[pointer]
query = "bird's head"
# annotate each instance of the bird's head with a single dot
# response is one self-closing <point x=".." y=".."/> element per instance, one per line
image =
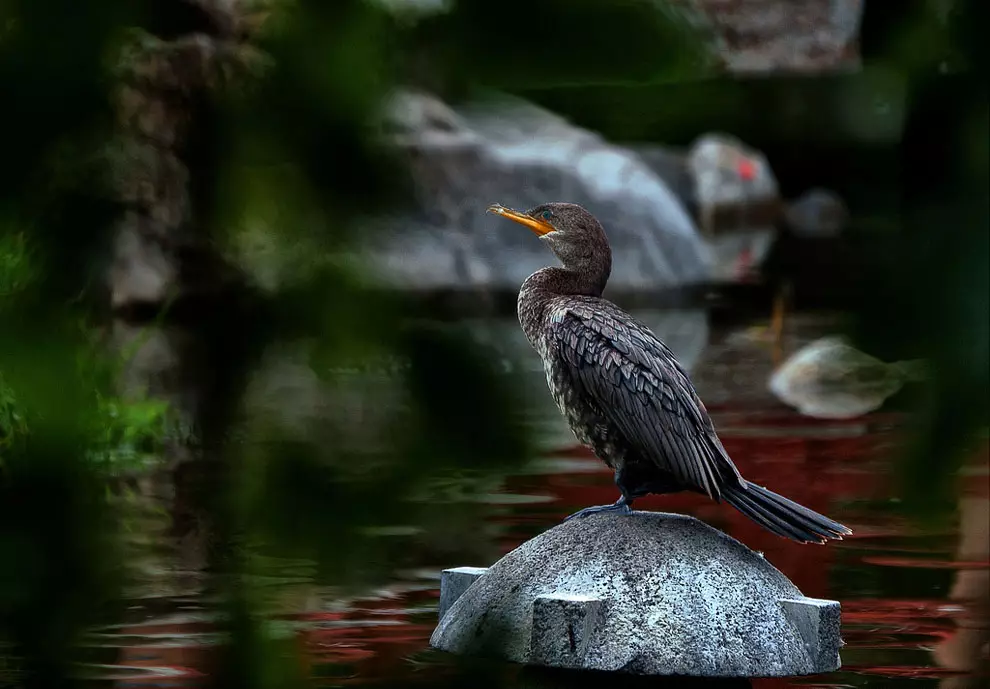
<point x="575" y="236"/>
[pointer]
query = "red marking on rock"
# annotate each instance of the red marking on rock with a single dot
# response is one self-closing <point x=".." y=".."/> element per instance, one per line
<point x="747" y="170"/>
<point x="744" y="264"/>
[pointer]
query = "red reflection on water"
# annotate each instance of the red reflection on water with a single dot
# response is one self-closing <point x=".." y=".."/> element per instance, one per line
<point x="382" y="631"/>
<point x="922" y="563"/>
<point x="898" y="624"/>
<point x="909" y="672"/>
<point x="164" y="656"/>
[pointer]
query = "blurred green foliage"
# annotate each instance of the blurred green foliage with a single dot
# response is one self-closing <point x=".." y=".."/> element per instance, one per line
<point x="929" y="295"/>
<point x="12" y="426"/>
<point x="552" y="43"/>
<point x="129" y="434"/>
<point x="15" y="266"/>
<point x="299" y="130"/>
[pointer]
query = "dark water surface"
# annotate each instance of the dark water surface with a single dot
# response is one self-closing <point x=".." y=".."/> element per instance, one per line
<point x="914" y="598"/>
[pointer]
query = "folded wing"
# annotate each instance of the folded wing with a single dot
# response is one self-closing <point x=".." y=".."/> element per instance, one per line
<point x="637" y="384"/>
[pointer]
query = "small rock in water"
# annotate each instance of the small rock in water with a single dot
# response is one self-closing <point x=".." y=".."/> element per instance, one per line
<point x="728" y="174"/>
<point x="737" y="201"/>
<point x="817" y="213"/>
<point x="831" y="379"/>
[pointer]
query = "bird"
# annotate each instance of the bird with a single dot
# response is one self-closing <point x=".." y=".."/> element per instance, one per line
<point x="623" y="392"/>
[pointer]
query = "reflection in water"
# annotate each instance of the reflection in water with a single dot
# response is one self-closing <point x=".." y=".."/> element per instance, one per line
<point x="967" y="649"/>
<point x="914" y="599"/>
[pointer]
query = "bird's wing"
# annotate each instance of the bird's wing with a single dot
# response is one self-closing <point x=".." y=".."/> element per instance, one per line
<point x="638" y="385"/>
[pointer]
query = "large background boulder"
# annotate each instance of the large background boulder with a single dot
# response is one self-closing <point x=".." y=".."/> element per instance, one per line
<point x="517" y="154"/>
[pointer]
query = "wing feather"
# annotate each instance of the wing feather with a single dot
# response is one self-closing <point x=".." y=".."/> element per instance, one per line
<point x="637" y="384"/>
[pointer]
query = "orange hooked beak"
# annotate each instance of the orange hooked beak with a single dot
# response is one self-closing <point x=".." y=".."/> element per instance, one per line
<point x="536" y="225"/>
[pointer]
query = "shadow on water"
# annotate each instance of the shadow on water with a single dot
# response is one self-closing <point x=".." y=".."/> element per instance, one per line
<point x="538" y="678"/>
<point x="914" y="598"/>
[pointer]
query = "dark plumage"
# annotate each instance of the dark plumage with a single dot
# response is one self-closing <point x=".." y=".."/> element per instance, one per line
<point x="621" y="390"/>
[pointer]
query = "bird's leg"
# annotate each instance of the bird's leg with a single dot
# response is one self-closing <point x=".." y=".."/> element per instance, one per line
<point x="623" y="505"/>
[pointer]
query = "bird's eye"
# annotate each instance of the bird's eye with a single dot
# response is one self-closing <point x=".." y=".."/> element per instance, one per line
<point x="546" y="215"/>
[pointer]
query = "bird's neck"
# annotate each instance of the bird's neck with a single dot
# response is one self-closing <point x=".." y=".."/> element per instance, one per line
<point x="546" y="285"/>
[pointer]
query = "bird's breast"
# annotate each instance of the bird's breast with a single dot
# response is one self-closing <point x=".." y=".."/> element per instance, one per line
<point x="586" y="422"/>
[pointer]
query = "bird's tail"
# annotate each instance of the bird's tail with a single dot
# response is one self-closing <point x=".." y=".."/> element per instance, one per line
<point x="782" y="516"/>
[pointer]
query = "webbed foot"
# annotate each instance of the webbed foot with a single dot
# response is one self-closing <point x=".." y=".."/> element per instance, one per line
<point x="622" y="506"/>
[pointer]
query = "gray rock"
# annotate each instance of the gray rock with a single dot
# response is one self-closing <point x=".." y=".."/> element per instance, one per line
<point x="737" y="201"/>
<point x="142" y="268"/>
<point x="159" y="250"/>
<point x="517" y="154"/>
<point x="817" y="213"/>
<point x="670" y="164"/>
<point x="831" y="379"/>
<point x="760" y="36"/>
<point x="453" y="584"/>
<point x="648" y="594"/>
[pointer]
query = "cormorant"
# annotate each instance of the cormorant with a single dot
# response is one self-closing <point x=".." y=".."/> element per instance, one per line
<point x="621" y="389"/>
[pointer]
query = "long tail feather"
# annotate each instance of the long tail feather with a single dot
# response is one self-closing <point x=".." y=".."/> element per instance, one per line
<point x="782" y="516"/>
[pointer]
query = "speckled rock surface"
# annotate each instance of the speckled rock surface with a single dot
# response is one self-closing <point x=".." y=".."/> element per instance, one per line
<point x="648" y="593"/>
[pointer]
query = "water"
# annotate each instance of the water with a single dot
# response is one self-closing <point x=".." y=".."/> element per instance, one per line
<point x="914" y="597"/>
